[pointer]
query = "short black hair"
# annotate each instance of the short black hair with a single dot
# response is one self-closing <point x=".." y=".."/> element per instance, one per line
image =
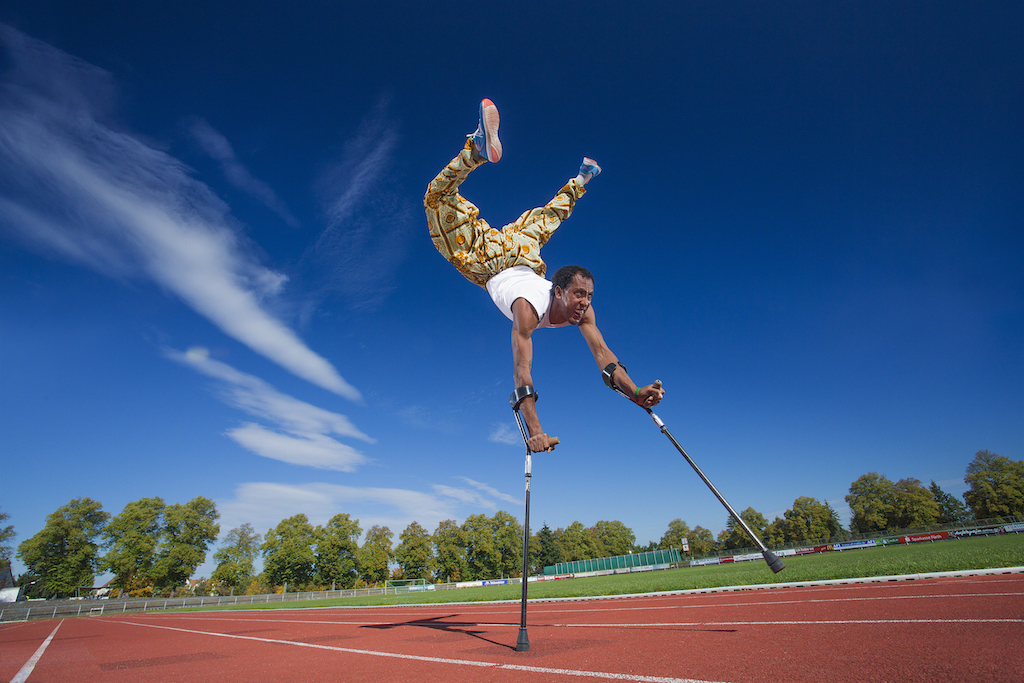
<point x="564" y="275"/>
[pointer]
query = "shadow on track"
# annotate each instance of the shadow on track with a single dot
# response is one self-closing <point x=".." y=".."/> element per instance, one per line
<point x="457" y="627"/>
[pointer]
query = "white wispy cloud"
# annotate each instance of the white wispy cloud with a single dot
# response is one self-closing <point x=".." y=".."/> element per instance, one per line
<point x="464" y="496"/>
<point x="219" y="149"/>
<point x="478" y="495"/>
<point x="303" y="431"/>
<point x="74" y="186"/>
<point x="369" y="224"/>
<point x="264" y="504"/>
<point x="503" y="434"/>
<point x="491" y="491"/>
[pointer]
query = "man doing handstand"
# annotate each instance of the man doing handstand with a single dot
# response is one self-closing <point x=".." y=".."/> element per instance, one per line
<point x="507" y="264"/>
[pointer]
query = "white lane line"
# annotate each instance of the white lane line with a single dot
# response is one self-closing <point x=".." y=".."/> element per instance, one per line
<point x="23" y="674"/>
<point x="638" y="625"/>
<point x="207" y="616"/>
<point x="809" y="622"/>
<point x="435" y="660"/>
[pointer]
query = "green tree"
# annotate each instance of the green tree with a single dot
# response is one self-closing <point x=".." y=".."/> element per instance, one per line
<point x="673" y="537"/>
<point x="736" y="537"/>
<point x="31" y="586"/>
<point x="132" y="538"/>
<point x="996" y="485"/>
<point x="414" y="553"/>
<point x="912" y="505"/>
<point x="236" y="556"/>
<point x="450" y="551"/>
<point x="870" y="500"/>
<point x="65" y="554"/>
<point x="187" y="532"/>
<point x="6" y="536"/>
<point x="337" y="551"/>
<point x="483" y="556"/>
<point x="288" y="552"/>
<point x="810" y="520"/>
<point x="702" y="542"/>
<point x="577" y="543"/>
<point x="376" y="555"/>
<point x="508" y="537"/>
<point x="613" y="538"/>
<point x="547" y="551"/>
<point x="951" y="510"/>
<point x="775" y="533"/>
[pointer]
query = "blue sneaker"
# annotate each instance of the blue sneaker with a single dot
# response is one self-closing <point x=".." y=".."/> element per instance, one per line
<point x="486" y="136"/>
<point x="589" y="169"/>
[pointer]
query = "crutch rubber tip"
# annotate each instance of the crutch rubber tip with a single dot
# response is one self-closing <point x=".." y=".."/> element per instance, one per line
<point x="774" y="563"/>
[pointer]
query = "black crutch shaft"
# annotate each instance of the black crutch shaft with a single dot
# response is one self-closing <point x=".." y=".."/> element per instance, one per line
<point x="774" y="563"/>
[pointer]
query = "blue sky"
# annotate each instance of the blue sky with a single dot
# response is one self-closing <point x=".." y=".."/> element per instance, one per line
<point x="216" y="277"/>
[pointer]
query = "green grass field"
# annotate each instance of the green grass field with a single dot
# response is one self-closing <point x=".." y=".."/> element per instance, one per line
<point x="954" y="555"/>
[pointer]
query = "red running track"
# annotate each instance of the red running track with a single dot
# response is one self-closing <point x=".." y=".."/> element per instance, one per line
<point x="967" y="628"/>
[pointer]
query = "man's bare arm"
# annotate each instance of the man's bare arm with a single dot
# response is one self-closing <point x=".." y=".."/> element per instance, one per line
<point x="524" y="322"/>
<point x="647" y="396"/>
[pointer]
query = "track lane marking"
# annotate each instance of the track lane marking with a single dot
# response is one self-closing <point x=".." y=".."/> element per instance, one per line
<point x="435" y="660"/>
<point x="431" y="623"/>
<point x="809" y="622"/>
<point x="30" y="665"/>
<point x="204" y="617"/>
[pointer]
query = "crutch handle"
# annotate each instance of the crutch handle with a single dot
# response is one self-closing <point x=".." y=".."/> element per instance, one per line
<point x="553" y="440"/>
<point x="657" y="384"/>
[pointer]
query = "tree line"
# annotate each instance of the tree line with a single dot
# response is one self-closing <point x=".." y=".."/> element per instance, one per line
<point x="151" y="547"/>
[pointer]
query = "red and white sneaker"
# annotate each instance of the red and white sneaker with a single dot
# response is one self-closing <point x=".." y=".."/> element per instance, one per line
<point x="486" y="136"/>
<point x="589" y="169"/>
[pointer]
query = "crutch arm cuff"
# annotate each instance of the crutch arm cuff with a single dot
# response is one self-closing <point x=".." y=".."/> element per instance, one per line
<point x="520" y="394"/>
<point x="608" y="372"/>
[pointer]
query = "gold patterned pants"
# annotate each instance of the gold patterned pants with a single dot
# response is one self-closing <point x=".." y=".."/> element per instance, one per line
<point x="476" y="249"/>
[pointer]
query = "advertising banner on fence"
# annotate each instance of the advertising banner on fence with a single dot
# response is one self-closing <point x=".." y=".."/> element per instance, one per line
<point x="704" y="561"/>
<point x="746" y="558"/>
<point x="917" y="538"/>
<point x="850" y="545"/>
<point x="977" y="532"/>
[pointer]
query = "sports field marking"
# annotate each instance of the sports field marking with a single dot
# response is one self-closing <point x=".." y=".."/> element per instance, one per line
<point x="435" y="660"/>
<point x="768" y="603"/>
<point x="535" y="611"/>
<point x="23" y="674"/>
<point x="792" y="622"/>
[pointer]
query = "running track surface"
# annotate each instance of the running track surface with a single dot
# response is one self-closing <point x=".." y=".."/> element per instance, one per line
<point x="964" y="628"/>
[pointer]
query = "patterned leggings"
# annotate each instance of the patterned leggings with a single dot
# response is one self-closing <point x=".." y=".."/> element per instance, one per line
<point x="476" y="249"/>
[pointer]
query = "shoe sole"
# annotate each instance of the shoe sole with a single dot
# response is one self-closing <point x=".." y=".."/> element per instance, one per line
<point x="489" y="120"/>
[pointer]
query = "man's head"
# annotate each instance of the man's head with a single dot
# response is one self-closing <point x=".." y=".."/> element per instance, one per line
<point x="572" y="288"/>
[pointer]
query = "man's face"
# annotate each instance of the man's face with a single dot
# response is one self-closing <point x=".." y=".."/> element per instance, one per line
<point x="576" y="297"/>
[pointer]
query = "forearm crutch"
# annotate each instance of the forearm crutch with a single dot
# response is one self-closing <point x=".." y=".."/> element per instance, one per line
<point x="774" y="563"/>
<point x="516" y="399"/>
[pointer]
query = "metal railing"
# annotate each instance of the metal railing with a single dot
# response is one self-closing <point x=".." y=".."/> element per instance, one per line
<point x="53" y="609"/>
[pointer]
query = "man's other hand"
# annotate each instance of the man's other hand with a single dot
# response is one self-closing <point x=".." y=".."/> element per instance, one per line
<point x="650" y="395"/>
<point x="540" y="443"/>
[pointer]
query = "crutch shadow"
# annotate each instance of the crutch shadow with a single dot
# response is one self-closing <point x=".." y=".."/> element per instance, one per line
<point x="457" y="627"/>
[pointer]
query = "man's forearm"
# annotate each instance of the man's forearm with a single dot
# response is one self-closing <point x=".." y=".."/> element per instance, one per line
<point x="522" y="359"/>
